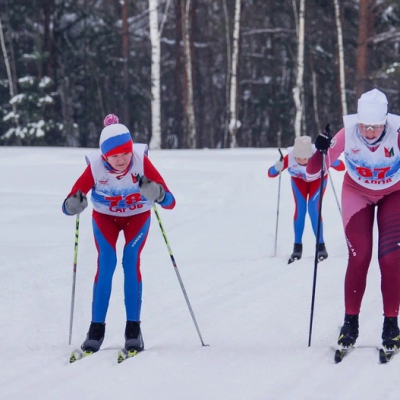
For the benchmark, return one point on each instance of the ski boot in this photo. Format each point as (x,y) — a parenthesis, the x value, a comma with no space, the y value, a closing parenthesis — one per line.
(94,338)
(322,253)
(349,331)
(390,339)
(133,341)
(133,336)
(391,333)
(297,252)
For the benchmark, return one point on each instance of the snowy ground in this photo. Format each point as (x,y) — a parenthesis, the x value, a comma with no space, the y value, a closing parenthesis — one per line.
(253,309)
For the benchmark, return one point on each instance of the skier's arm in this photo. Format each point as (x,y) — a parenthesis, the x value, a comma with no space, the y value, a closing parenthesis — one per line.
(338,165)
(81,187)
(314,163)
(153,175)
(273,172)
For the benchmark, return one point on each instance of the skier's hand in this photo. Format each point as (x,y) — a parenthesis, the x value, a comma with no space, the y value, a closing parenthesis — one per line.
(324,140)
(152,191)
(279,166)
(76,203)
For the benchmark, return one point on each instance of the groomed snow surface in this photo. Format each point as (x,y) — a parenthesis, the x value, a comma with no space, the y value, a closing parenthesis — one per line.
(253,309)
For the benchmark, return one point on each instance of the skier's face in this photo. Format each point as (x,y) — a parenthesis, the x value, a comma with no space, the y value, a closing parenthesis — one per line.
(120,162)
(371,131)
(302,161)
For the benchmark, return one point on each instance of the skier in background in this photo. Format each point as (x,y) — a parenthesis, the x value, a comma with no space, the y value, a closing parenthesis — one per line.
(370,141)
(124,185)
(306,193)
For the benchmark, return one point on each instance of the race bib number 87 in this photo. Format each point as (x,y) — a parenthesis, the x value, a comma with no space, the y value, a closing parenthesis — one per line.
(376,173)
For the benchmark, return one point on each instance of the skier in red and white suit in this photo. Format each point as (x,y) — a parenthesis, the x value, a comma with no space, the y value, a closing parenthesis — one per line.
(306,193)
(124,185)
(370,142)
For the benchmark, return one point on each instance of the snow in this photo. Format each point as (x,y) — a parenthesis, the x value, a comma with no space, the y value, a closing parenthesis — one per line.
(252,309)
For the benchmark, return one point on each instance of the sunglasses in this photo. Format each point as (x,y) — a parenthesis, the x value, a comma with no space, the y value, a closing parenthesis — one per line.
(371,127)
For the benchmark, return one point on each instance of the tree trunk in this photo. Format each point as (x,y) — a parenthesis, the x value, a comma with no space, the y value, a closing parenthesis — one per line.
(71,129)
(298,89)
(314,92)
(9,75)
(155,142)
(228,72)
(362,78)
(342,75)
(164,17)
(125,55)
(233,122)
(177,140)
(48,6)
(189,116)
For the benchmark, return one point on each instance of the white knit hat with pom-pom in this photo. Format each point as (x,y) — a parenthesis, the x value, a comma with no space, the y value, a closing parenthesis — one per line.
(115,138)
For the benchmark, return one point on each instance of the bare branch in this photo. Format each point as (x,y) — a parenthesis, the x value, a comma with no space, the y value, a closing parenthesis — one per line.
(390,36)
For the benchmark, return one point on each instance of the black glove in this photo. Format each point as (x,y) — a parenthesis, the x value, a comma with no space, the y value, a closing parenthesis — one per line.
(76,203)
(152,191)
(324,140)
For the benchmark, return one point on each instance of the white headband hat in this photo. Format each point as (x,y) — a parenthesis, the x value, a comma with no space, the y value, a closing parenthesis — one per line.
(302,147)
(372,108)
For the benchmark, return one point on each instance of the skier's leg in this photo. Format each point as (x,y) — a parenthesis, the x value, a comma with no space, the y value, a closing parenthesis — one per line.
(313,206)
(358,219)
(135,236)
(388,217)
(106,232)
(358,215)
(299,188)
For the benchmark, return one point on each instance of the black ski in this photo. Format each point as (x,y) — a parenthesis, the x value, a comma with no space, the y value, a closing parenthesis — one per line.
(125,354)
(293,259)
(386,354)
(78,354)
(342,352)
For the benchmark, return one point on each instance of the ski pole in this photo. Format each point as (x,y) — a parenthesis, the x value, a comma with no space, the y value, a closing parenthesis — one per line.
(178,274)
(74,277)
(277,208)
(334,192)
(316,248)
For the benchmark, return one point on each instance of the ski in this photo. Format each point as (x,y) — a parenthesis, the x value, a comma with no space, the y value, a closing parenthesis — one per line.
(78,354)
(293,259)
(386,354)
(125,354)
(342,352)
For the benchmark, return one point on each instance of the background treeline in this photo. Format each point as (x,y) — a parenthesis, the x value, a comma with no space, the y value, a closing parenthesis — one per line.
(65,64)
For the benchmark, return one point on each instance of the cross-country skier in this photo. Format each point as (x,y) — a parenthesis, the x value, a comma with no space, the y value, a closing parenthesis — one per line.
(124,185)
(305,193)
(370,142)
